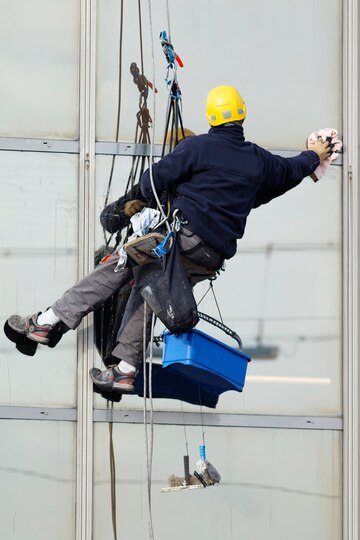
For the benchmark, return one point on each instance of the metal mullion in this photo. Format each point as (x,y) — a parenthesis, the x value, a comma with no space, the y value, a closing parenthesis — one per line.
(351,223)
(84,479)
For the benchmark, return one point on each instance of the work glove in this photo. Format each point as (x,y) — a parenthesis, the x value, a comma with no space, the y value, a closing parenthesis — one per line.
(328,146)
(133,207)
(324,149)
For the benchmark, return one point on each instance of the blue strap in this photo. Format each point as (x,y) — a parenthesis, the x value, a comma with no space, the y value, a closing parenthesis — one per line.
(161,249)
(167,48)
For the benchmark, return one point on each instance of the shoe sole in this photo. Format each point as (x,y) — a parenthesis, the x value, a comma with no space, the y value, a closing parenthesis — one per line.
(123,388)
(115,387)
(23,344)
(28,334)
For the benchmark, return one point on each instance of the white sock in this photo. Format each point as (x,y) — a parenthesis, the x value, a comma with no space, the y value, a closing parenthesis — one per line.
(48,317)
(126,368)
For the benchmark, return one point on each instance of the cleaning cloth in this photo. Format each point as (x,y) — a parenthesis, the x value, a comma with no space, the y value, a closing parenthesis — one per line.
(331,135)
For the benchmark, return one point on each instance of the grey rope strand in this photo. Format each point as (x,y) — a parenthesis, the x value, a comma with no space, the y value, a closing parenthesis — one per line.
(111,440)
(148,465)
(151,157)
(216,302)
(168,18)
(119,99)
(112,473)
(141,39)
(202,298)
(108,240)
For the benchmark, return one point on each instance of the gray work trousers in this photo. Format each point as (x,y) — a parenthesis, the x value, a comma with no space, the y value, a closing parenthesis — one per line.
(200,262)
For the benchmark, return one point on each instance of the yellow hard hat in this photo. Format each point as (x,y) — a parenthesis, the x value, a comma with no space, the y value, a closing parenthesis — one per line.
(224,104)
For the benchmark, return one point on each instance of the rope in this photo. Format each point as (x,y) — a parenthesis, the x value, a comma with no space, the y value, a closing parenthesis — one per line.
(168,18)
(213,321)
(174,114)
(141,39)
(107,241)
(150,391)
(112,474)
(154,116)
(142,123)
(203,296)
(216,302)
(119,99)
(149,455)
(111,440)
(201,417)
(185,434)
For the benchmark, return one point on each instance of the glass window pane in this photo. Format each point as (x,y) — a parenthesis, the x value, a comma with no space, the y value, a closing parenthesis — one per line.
(281,293)
(277,67)
(38,238)
(115,186)
(39,58)
(37,479)
(108,39)
(272,481)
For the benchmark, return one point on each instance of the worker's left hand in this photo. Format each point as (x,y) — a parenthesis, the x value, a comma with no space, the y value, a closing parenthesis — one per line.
(324,149)
(133,207)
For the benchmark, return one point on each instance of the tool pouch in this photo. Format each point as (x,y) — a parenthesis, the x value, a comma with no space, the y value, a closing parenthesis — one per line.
(165,286)
(140,250)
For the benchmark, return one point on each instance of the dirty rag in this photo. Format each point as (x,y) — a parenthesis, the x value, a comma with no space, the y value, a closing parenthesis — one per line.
(324,165)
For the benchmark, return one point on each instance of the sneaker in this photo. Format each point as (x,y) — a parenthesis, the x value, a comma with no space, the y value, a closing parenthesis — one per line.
(28,327)
(113,379)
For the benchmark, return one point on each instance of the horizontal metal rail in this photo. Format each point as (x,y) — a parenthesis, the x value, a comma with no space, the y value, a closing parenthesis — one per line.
(177,418)
(121,148)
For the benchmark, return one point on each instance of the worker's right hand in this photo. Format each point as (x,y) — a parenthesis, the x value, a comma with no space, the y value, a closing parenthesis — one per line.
(133,207)
(323,149)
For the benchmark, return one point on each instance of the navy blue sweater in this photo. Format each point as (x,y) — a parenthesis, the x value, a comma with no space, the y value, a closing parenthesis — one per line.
(217,178)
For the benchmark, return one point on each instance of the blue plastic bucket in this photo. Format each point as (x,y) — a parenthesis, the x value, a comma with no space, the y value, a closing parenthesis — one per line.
(208,361)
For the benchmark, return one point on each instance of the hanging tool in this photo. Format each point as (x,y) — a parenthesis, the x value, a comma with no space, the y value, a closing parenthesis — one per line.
(180,483)
(205,475)
(205,471)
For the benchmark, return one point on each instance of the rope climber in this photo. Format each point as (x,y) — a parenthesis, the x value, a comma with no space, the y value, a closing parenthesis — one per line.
(215,180)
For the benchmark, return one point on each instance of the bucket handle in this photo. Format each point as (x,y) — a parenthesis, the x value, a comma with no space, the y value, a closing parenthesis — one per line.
(207,318)
(222,327)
